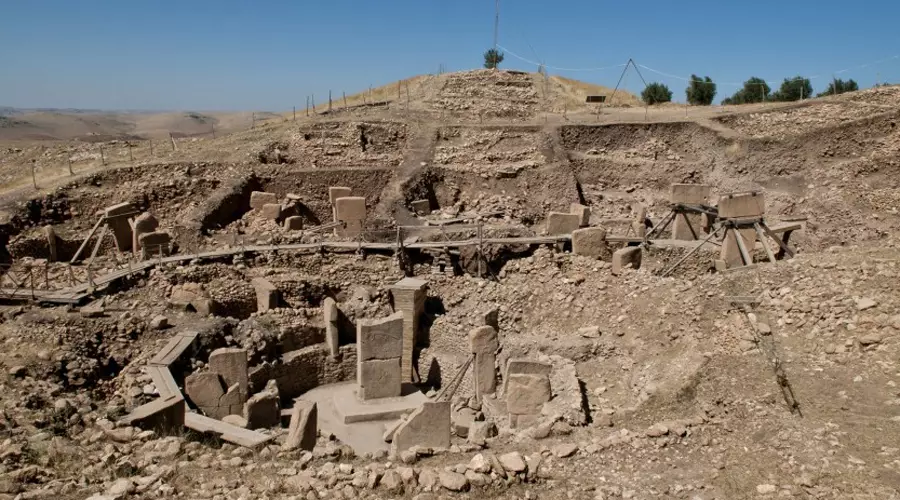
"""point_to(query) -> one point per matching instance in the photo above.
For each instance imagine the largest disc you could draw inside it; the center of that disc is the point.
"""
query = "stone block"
(332, 334)
(583, 212)
(271, 211)
(336, 192)
(163, 415)
(259, 199)
(421, 207)
(267, 296)
(293, 223)
(380, 339)
(117, 220)
(518, 366)
(154, 244)
(690, 194)
(144, 223)
(232, 403)
(263, 408)
(351, 211)
(483, 339)
(742, 205)
(730, 253)
(480, 431)
(50, 234)
(303, 426)
(562, 223)
(204, 389)
(626, 257)
(409, 298)
(428, 427)
(231, 364)
(526, 394)
(591, 242)
(485, 372)
(379, 378)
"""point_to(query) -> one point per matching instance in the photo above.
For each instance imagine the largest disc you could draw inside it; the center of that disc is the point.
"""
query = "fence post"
(345, 98)
(295, 113)
(213, 126)
(33, 175)
(130, 155)
(172, 138)
(252, 121)
(69, 160)
(307, 106)
(102, 156)
(151, 147)
(329, 101)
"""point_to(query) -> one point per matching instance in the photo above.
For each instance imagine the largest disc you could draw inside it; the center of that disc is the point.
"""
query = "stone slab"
(526, 394)
(263, 409)
(379, 378)
(742, 205)
(562, 223)
(483, 339)
(144, 223)
(204, 389)
(259, 199)
(690, 194)
(231, 364)
(293, 223)
(336, 192)
(351, 409)
(154, 244)
(591, 242)
(117, 220)
(624, 258)
(583, 212)
(428, 426)
(231, 433)
(421, 207)
(271, 211)
(267, 296)
(303, 427)
(485, 371)
(381, 338)
(162, 415)
(350, 208)
(330, 318)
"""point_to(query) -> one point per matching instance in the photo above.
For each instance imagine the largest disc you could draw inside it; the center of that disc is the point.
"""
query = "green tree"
(492, 58)
(839, 87)
(755, 90)
(794, 89)
(656, 93)
(701, 91)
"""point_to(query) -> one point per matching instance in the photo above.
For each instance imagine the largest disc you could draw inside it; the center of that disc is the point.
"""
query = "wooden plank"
(84, 244)
(228, 432)
(173, 350)
(164, 381)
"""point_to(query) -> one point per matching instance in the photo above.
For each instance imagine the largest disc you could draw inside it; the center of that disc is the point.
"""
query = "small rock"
(18, 371)
(657, 430)
(513, 462)
(872, 338)
(766, 489)
(480, 464)
(565, 450)
(865, 303)
(159, 322)
(120, 488)
(453, 481)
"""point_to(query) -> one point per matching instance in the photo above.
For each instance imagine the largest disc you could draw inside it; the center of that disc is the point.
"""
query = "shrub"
(755, 90)
(794, 89)
(656, 93)
(492, 58)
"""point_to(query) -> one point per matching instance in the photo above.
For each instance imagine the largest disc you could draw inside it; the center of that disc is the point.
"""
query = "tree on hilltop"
(794, 89)
(656, 93)
(839, 87)
(755, 90)
(701, 91)
(492, 58)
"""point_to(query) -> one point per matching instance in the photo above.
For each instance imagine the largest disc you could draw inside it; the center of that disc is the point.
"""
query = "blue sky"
(271, 54)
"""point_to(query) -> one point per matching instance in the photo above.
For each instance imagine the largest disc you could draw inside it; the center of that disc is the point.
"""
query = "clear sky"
(271, 54)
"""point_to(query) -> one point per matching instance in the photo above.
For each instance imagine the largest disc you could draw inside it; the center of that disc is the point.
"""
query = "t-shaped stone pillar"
(739, 206)
(688, 194)
(409, 298)
(117, 220)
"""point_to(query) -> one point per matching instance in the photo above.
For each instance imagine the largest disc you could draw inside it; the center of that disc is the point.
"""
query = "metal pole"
(496, 24)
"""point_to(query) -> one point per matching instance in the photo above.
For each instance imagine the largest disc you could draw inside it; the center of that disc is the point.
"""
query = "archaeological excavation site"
(478, 287)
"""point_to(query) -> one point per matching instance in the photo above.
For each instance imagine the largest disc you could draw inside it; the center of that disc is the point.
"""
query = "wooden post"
(329, 101)
(314, 103)
(295, 113)
(398, 91)
(345, 98)
(480, 249)
(252, 121)
(307, 105)
(130, 154)
(102, 156)
(33, 175)
(172, 138)
(213, 126)
(69, 160)
(151, 147)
